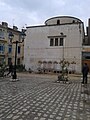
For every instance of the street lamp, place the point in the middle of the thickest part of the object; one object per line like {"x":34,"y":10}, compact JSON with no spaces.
{"x":21,"y":39}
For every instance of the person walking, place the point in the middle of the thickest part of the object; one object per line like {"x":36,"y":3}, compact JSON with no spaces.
{"x":85,"y":70}
{"x":10,"y":69}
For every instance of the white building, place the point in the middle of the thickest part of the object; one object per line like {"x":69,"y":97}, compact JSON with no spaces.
{"x":47,"y":45}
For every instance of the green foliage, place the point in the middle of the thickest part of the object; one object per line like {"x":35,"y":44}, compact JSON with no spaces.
{"x":64,"y":65}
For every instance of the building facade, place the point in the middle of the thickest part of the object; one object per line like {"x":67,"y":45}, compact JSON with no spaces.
{"x":86,"y":55}
{"x":7,"y":49}
{"x":3,"y":41}
{"x":59,"y":39}
{"x":86,"y":46}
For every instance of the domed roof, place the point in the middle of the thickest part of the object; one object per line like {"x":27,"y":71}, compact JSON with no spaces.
{"x":62,"y":20}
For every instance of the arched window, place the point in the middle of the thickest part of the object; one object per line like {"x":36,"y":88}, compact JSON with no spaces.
{"x":73,"y":21}
{"x":58,"y":22}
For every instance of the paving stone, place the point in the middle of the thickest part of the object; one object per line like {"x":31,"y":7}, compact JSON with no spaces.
{"x":15,"y":117}
{"x":36,"y":118}
{"x":39,"y":114}
{"x":20,"y":113}
{"x":58,"y":118}
{"x":51,"y":116}
{"x":10,"y":116}
{"x":34,"y":98}
{"x":42,"y":118}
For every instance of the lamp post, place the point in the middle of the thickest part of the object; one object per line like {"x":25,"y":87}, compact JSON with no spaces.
{"x":22,"y":37}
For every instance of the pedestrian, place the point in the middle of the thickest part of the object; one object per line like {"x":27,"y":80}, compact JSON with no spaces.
{"x":85,"y":70}
{"x":10,"y":69}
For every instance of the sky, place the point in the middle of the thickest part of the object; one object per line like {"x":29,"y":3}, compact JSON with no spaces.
{"x":23,"y":13}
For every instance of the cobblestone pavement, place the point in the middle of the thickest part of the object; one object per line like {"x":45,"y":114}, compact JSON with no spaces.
{"x":41,"y":98}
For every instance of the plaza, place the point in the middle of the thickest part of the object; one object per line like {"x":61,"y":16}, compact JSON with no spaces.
{"x":40,"y":97}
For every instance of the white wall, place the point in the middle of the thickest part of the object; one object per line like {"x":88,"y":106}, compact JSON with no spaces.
{"x":37,"y":45}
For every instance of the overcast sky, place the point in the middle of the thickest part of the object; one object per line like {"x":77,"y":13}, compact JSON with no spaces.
{"x":22,"y":13}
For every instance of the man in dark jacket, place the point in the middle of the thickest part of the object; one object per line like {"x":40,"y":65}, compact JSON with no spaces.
{"x":85,"y":70}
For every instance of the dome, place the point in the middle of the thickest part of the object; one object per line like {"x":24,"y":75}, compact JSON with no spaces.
{"x":62,"y":20}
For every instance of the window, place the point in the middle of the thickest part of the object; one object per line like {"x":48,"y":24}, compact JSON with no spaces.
{"x":2,"y":34}
{"x":56,"y":41}
{"x":18,"y":61}
{"x":1,"y":48}
{"x":10,"y":49}
{"x":9,"y":61}
{"x":51,"y":42}
{"x":18,"y":49}
{"x":2,"y":59}
{"x":61,"y":41}
{"x":73,"y":21}
{"x":87,"y":57}
{"x":58,"y":22}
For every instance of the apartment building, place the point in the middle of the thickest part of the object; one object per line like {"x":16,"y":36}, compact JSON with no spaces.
{"x":3,"y":41}
{"x":60,"y":38}
{"x":7,"y":49}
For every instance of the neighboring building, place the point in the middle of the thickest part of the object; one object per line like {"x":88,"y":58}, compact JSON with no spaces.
{"x":3,"y":41}
{"x":7,"y":49}
{"x":86,"y":46}
{"x":47,"y":45}
{"x":88,"y":32}
{"x":12,"y":47}
{"x":86,"y":55}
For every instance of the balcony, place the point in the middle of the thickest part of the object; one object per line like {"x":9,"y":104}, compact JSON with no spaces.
{"x":2,"y":53}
